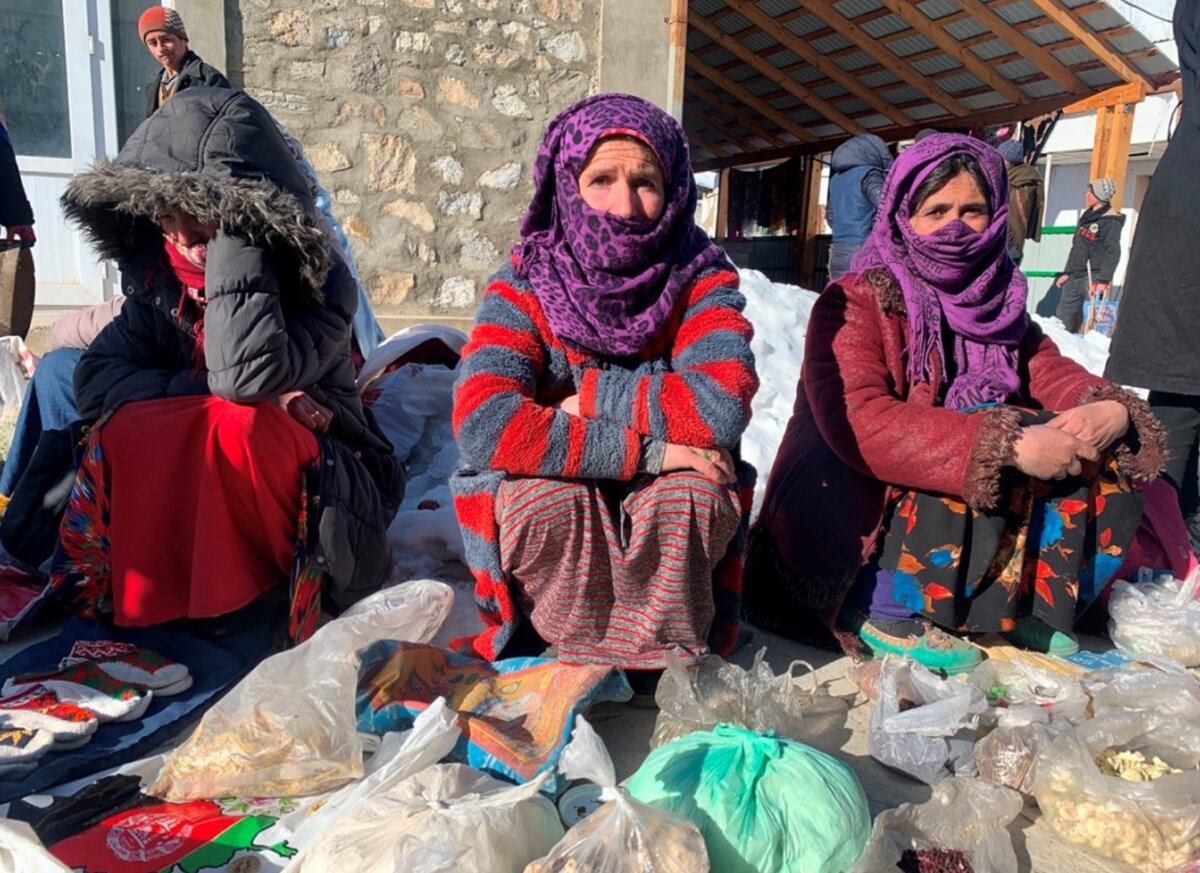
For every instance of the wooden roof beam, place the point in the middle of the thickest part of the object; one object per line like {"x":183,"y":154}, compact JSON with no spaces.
{"x":1074,"y":26}
{"x":863,"y":40}
{"x":738,"y":118}
{"x":932,"y":31}
{"x":694,"y":137}
{"x":814,"y":59}
{"x":1045,"y":61}
{"x":762,"y":107}
{"x":827,"y":109}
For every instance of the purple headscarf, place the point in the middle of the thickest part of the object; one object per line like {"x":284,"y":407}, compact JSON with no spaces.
{"x":954,"y":278}
{"x":609,"y":284}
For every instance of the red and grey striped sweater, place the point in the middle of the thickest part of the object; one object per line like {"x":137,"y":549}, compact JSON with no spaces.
{"x":692,"y":385}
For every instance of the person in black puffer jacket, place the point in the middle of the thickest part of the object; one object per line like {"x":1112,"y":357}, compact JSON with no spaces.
{"x":232,"y":451}
{"x":1095,"y":253}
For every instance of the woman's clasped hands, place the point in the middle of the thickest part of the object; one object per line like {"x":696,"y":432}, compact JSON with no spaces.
{"x":1060,"y":447}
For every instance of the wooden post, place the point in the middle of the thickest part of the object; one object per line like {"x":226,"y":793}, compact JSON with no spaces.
{"x":810,"y":218}
{"x":723,"y":204}
{"x":1110,"y":149}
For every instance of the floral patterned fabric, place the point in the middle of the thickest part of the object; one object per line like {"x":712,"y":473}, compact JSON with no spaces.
{"x":1048,"y":551}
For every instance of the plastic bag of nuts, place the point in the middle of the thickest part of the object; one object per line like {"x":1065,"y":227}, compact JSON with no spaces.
{"x":1152,"y":825}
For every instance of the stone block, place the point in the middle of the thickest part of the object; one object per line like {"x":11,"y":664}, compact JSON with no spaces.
{"x":292,"y":27}
{"x":369,"y":71}
{"x":566,"y":47}
{"x":280,"y":101}
{"x":503,"y":178}
{"x":416,"y":214}
{"x":421,"y":4}
{"x":492,"y":55}
{"x":355,"y":226}
{"x":456,"y":292}
{"x":515,"y":32}
{"x":336,"y":37}
{"x":449,"y":169}
{"x":455,"y":91}
{"x":306,"y":71}
{"x":391,"y":164}
{"x":420,"y":124}
{"x":476,"y":251}
{"x":327,"y":158}
{"x":392,"y":287}
{"x":467,"y":203}
{"x":484,"y":26}
{"x":456,"y":55}
{"x":410,"y":88}
{"x":412,"y":42}
{"x":508,"y":102}
{"x":346,"y":197}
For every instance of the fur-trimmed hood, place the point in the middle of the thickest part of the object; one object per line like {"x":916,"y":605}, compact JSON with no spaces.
{"x":218,"y":156}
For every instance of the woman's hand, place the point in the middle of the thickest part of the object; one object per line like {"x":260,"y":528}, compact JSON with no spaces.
{"x":1046,"y":452}
{"x":305,"y":410}
{"x":716,"y":464}
{"x":1098,"y":424}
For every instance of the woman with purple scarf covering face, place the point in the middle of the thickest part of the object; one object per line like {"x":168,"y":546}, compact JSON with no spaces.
{"x":946,"y":471}
{"x":601,"y":400}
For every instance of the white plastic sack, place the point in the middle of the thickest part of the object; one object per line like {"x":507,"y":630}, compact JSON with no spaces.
{"x":1174,"y":694}
{"x":698,"y":697}
{"x":964,"y":815}
{"x":22,"y":852}
{"x":447,"y":811}
{"x":409,"y":397}
{"x":1157,"y":619}
{"x":400,"y":755}
{"x":623,"y":835}
{"x":289,"y":727}
{"x":924,"y":726}
{"x":1011,"y":685}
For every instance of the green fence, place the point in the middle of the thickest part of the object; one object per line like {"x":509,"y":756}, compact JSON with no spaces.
{"x":1044,"y":259}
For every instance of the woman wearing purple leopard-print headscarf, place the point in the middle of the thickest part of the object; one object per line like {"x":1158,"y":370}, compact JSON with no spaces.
{"x":602,"y":396}
{"x":946,"y":466}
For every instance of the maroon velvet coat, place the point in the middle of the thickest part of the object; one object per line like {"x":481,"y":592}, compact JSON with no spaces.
{"x":859,"y":426}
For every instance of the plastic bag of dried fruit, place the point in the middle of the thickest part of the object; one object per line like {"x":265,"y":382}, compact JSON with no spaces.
{"x":698,"y":697}
{"x":1126,"y":785}
{"x":1157,"y":617}
{"x":623,"y":835}
{"x":288,"y":729}
{"x":962,"y":828}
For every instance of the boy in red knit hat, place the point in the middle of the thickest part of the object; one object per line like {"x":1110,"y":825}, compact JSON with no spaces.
{"x":164,"y":35}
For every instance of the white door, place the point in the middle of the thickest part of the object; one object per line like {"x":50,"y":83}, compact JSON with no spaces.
{"x":70,"y":93}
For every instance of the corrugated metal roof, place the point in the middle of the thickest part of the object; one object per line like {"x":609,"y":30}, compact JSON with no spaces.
{"x":805,"y":24}
{"x":855,"y":8}
{"x":904,"y":94}
{"x":874,"y":122}
{"x":1103,"y":19}
{"x":995,"y":48}
{"x":854,"y":61}
{"x":983,"y":101}
{"x":1073,"y":55}
{"x":958,"y":84}
{"x":718,"y":56}
{"x":741,"y":73}
{"x":760,"y":87}
{"x":1043,"y":89}
{"x":1016,"y":13}
{"x":734,"y":23}
{"x":924,"y":111}
{"x":696,"y":40}
{"x":830,"y":91}
{"x":1018,"y":69}
{"x":1101,"y":77}
{"x":965,"y":29}
{"x":938,"y":8}
{"x":936,"y":64}
{"x":852,"y":106}
{"x":832,"y":43}
{"x":804,"y":75}
{"x":880,"y":79}
{"x":910,"y":45}
{"x":885,"y":26}
{"x":760,"y":42}
{"x":1047,"y":34}
{"x":776,"y":7}
{"x":785,"y":58}
{"x":705,"y":8}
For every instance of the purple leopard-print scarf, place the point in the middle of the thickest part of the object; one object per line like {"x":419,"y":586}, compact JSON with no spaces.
{"x":609,"y":284}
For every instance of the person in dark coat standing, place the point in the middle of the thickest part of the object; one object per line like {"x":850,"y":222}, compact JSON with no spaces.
{"x":859,"y":166}
{"x":16,"y":215}
{"x":1095,"y":253}
{"x":1157,"y":341}
{"x":165,"y":37}
{"x":231,"y":451}
{"x":1026,"y":195}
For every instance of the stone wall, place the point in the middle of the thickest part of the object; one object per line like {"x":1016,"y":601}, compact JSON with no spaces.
{"x":422,"y":117}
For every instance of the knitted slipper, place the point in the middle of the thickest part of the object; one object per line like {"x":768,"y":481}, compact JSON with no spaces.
{"x":38,"y":708}
{"x":88,"y":686}
{"x":19,"y":749}
{"x":125,"y":662}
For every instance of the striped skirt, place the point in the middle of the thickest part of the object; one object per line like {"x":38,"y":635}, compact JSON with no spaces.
{"x":614,"y":572}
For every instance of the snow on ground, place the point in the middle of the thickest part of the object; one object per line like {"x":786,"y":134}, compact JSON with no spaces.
{"x":423,"y":539}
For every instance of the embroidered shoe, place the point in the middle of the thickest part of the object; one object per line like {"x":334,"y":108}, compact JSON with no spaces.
{"x":125,"y":662}
{"x":39,"y":708}
{"x":1034,"y":635}
{"x":927,"y":645}
{"x":88,"y":686}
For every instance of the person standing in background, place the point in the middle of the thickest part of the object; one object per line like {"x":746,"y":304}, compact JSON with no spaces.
{"x":1026,"y":196}
{"x":165,"y":37}
{"x":1095,"y":253}
{"x":15,"y":212}
{"x":859,"y":166}
{"x":1156,"y":344}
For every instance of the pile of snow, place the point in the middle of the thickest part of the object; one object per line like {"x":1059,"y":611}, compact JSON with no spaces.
{"x":423,"y":539}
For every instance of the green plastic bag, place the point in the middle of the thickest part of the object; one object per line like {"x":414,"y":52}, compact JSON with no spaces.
{"x":764,"y":804}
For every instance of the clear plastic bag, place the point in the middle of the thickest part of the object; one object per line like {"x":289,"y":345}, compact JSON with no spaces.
{"x":447,"y":814}
{"x":400,"y":755}
{"x":963,"y":815}
{"x":1151,"y":825}
{"x":289,"y":728}
{"x":1008,"y":755}
{"x":924,"y":726}
{"x":1174,"y":693}
{"x":697,"y":698}
{"x":622,"y":836}
{"x":1159,"y":618}
{"x":1015,"y":684}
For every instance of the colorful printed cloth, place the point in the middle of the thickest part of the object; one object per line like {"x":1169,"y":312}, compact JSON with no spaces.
{"x":1048,"y":552}
{"x":516,"y":715}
